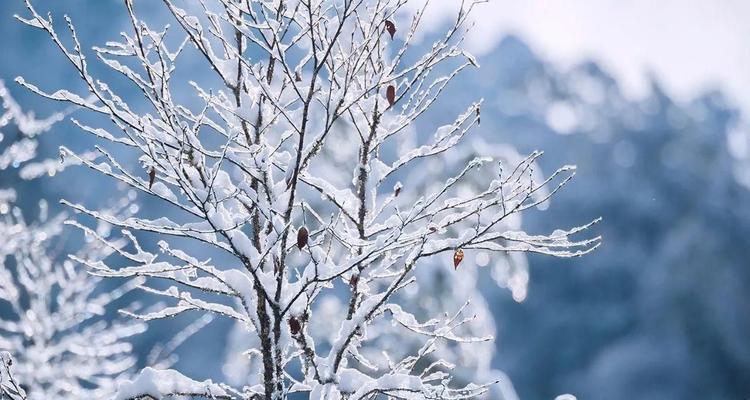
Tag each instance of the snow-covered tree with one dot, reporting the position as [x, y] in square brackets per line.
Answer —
[18, 136]
[58, 330]
[298, 199]
[53, 318]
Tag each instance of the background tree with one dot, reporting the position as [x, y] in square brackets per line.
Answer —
[53, 314]
[284, 167]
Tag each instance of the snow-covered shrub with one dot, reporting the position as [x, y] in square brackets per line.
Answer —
[302, 203]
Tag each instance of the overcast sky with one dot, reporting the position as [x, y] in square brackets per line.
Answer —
[689, 45]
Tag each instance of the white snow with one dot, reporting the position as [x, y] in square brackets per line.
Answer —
[161, 383]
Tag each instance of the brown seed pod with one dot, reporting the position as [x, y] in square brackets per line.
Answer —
[302, 236]
[391, 28]
[297, 77]
[294, 325]
[151, 177]
[458, 256]
[390, 94]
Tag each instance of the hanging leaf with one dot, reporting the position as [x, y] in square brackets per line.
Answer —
[397, 189]
[354, 280]
[390, 94]
[151, 177]
[294, 325]
[391, 28]
[458, 256]
[297, 77]
[302, 236]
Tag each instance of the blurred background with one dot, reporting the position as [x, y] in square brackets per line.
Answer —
[649, 100]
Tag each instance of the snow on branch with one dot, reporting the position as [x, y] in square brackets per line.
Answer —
[159, 384]
[9, 387]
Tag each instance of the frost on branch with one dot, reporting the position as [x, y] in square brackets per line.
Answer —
[304, 118]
